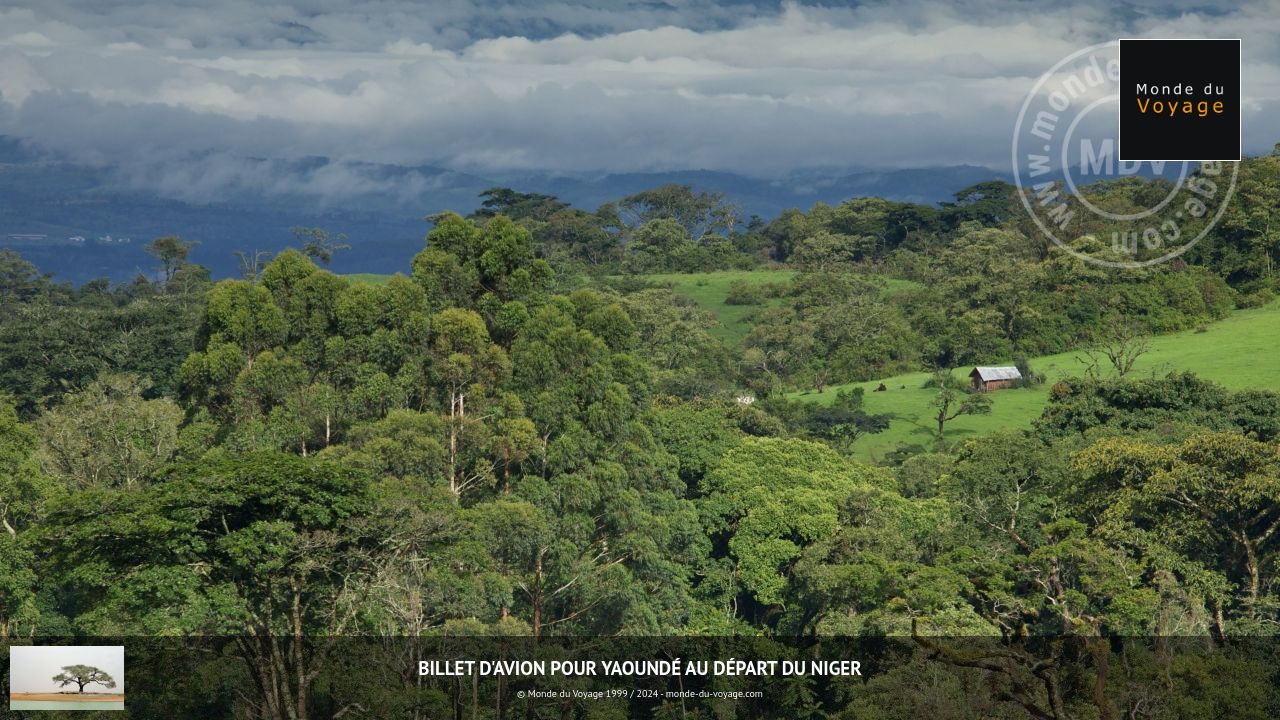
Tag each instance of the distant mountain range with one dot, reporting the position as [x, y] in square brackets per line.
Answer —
[82, 221]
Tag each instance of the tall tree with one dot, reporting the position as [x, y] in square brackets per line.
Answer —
[268, 548]
[1122, 342]
[82, 675]
[18, 587]
[24, 491]
[770, 498]
[1213, 501]
[246, 314]
[517, 205]
[318, 244]
[987, 202]
[171, 251]
[467, 364]
[108, 434]
[953, 400]
[465, 265]
[19, 279]
[698, 212]
[23, 488]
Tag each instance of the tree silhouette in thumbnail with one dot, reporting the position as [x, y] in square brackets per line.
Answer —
[83, 675]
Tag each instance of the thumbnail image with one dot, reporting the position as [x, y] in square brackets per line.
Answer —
[66, 677]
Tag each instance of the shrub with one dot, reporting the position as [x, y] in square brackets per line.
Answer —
[1030, 378]
[1255, 299]
[743, 293]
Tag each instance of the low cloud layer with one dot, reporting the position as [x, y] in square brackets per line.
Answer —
[755, 88]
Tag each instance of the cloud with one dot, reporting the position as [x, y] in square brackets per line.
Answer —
[756, 88]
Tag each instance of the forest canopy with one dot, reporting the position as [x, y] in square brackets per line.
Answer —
[527, 434]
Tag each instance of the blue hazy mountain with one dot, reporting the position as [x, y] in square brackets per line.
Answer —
[81, 221]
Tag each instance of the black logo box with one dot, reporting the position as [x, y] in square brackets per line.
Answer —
[1180, 64]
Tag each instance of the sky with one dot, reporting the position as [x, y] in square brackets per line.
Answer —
[32, 667]
[758, 88]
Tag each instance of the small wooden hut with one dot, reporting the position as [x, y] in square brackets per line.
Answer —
[986, 379]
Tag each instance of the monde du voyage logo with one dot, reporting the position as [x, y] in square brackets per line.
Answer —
[1165, 110]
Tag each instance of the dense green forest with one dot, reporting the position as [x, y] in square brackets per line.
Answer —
[530, 433]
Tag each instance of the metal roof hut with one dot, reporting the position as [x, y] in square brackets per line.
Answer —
[986, 379]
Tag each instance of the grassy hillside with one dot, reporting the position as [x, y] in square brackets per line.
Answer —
[370, 278]
[1238, 352]
[709, 290]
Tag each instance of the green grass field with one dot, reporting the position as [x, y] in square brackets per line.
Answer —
[369, 278]
[1238, 352]
[709, 290]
